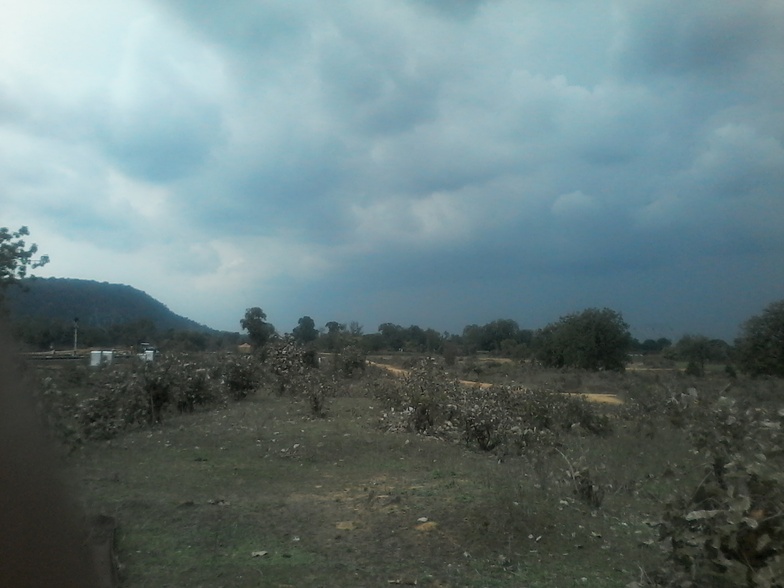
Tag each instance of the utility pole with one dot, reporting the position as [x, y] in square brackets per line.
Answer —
[76, 334]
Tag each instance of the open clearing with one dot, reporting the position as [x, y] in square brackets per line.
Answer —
[260, 493]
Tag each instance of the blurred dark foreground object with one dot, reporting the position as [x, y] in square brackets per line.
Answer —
[44, 541]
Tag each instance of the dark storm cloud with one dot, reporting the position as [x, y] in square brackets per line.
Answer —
[460, 160]
[701, 38]
[460, 9]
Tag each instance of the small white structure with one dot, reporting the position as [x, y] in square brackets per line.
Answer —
[98, 358]
[147, 352]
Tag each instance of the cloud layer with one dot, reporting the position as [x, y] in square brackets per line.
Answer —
[437, 163]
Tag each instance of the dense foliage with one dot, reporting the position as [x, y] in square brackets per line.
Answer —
[729, 530]
[259, 330]
[102, 403]
[503, 419]
[16, 257]
[305, 331]
[697, 351]
[593, 339]
[760, 348]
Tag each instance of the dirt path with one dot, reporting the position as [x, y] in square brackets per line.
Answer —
[590, 397]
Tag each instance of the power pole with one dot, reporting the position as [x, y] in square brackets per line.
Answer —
[76, 334]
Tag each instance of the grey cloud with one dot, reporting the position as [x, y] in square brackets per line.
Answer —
[702, 37]
[373, 93]
[460, 9]
[268, 30]
[440, 158]
[162, 142]
[160, 121]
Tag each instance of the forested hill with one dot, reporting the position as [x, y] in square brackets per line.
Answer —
[95, 304]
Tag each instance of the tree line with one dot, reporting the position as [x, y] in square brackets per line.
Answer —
[593, 339]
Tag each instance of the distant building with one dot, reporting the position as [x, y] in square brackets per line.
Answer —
[245, 348]
[148, 352]
[98, 358]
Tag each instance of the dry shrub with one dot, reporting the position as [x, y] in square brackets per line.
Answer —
[501, 419]
[729, 531]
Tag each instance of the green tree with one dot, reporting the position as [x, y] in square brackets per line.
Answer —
[335, 337]
[694, 349]
[449, 350]
[433, 341]
[651, 346]
[497, 336]
[760, 348]
[698, 350]
[305, 331]
[16, 258]
[259, 330]
[394, 335]
[594, 339]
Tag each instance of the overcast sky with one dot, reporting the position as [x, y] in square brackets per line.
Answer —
[429, 162]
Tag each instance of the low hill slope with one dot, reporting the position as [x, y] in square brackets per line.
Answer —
[96, 304]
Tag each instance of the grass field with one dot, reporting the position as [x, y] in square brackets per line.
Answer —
[260, 493]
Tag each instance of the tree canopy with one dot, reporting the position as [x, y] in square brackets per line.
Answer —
[698, 350]
[760, 348]
[594, 339]
[16, 257]
[305, 331]
[502, 336]
[259, 330]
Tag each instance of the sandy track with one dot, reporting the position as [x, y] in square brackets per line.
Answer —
[590, 397]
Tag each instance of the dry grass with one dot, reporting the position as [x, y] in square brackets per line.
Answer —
[261, 494]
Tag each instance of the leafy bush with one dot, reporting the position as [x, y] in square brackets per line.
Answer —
[729, 531]
[296, 370]
[286, 360]
[350, 361]
[131, 394]
[760, 348]
[195, 386]
[695, 369]
[241, 374]
[501, 419]
[122, 397]
[426, 395]
[316, 388]
[56, 409]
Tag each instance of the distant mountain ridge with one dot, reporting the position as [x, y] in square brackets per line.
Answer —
[95, 304]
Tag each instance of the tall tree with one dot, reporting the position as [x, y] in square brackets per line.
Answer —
[305, 331]
[760, 348]
[393, 335]
[594, 339]
[698, 350]
[259, 330]
[334, 338]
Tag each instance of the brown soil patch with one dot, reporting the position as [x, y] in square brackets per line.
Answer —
[590, 397]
